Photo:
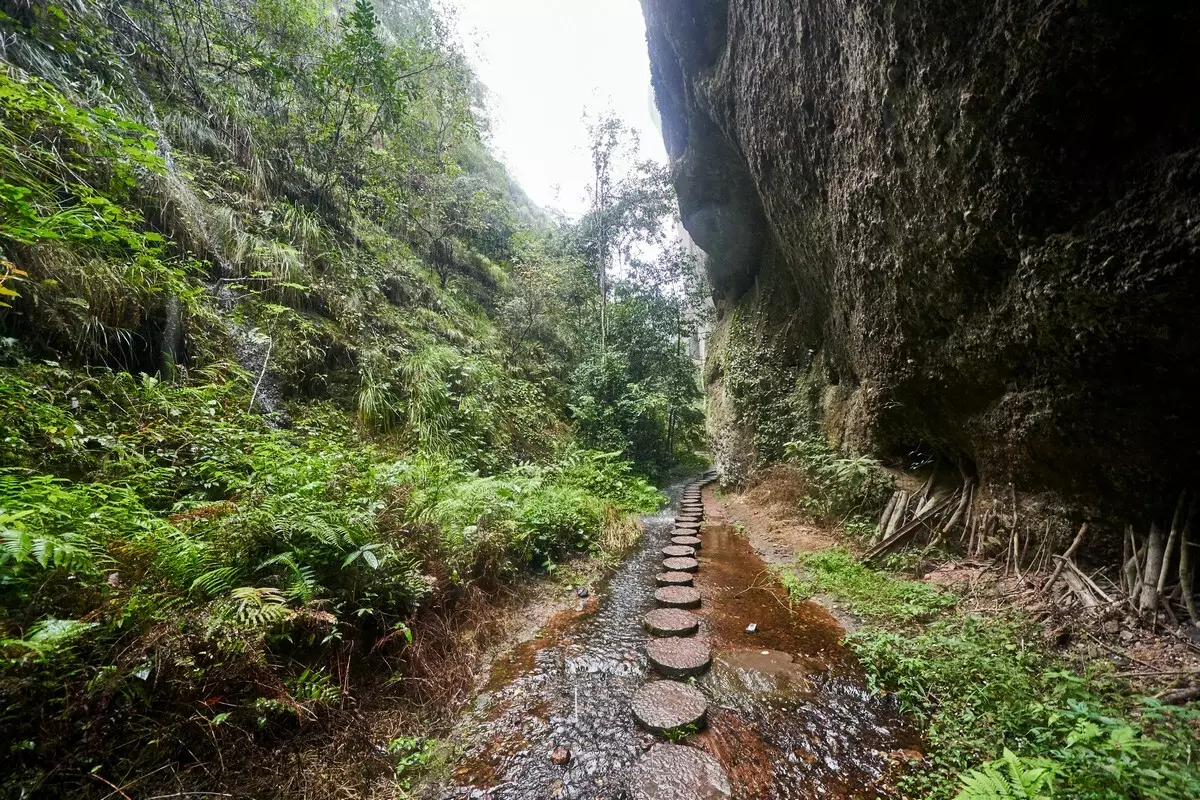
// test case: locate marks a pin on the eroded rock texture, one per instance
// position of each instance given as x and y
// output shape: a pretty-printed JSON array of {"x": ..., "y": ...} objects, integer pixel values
[{"x": 956, "y": 227}]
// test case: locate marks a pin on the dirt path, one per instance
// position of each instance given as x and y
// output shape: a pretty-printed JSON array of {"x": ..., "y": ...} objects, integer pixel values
[{"x": 789, "y": 714}]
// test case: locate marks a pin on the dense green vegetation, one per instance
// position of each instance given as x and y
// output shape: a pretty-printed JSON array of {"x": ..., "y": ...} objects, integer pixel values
[
  {"x": 289, "y": 365},
  {"x": 1004, "y": 719}
]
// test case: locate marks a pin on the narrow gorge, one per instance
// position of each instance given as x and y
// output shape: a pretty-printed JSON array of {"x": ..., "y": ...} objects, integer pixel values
[{"x": 637, "y": 400}]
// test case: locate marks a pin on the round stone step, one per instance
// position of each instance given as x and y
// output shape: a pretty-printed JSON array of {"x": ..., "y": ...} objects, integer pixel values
[
  {"x": 686, "y": 541},
  {"x": 671, "y": 622},
  {"x": 665, "y": 706},
  {"x": 693, "y": 526},
  {"x": 678, "y": 551},
  {"x": 681, "y": 564},
  {"x": 679, "y": 658},
  {"x": 678, "y": 596},
  {"x": 673, "y": 579},
  {"x": 676, "y": 772}
]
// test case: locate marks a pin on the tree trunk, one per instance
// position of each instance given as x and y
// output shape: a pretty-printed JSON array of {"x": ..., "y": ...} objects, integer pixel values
[
  {"x": 1148, "y": 597},
  {"x": 1185, "y": 565}
]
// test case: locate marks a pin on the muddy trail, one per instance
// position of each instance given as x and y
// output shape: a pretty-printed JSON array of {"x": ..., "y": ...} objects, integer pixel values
[{"x": 788, "y": 713}]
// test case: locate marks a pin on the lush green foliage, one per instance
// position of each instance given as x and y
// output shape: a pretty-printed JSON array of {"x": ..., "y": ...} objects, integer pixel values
[
  {"x": 1002, "y": 717},
  {"x": 847, "y": 489},
  {"x": 210, "y": 210}
]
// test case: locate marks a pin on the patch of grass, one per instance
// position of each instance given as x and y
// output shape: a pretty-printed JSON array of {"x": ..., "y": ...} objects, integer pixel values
[
  {"x": 865, "y": 591},
  {"x": 1003, "y": 718}
]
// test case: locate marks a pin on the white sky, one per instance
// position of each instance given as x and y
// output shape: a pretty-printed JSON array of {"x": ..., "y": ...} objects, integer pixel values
[{"x": 546, "y": 62}]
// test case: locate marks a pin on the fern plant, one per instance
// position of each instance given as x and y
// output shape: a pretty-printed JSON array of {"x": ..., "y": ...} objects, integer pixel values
[{"x": 1011, "y": 778}]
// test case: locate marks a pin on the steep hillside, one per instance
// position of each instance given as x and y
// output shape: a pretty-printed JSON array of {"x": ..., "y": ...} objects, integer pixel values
[
  {"x": 962, "y": 231},
  {"x": 294, "y": 383}
]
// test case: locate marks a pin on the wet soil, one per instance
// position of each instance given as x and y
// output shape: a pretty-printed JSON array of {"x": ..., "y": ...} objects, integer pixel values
[{"x": 824, "y": 736}]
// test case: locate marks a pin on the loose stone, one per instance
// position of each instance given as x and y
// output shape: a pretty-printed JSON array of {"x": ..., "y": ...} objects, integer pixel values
[
  {"x": 665, "y": 706},
  {"x": 678, "y": 596},
  {"x": 675, "y": 772},
  {"x": 559, "y": 756},
  {"x": 678, "y": 551},
  {"x": 679, "y": 658},
  {"x": 673, "y": 579},
  {"x": 686, "y": 541},
  {"x": 681, "y": 564},
  {"x": 671, "y": 622}
]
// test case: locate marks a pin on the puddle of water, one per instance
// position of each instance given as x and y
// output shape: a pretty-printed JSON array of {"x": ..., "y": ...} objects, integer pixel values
[{"x": 573, "y": 685}]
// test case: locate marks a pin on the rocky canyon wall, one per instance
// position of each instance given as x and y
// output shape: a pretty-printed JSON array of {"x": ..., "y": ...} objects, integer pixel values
[{"x": 956, "y": 229}]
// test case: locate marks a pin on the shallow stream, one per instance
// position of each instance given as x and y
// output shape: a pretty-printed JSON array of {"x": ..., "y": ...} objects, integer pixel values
[{"x": 818, "y": 734}]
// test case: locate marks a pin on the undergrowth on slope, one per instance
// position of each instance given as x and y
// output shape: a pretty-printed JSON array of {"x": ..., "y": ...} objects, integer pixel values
[
  {"x": 846, "y": 489},
  {"x": 1003, "y": 718}
]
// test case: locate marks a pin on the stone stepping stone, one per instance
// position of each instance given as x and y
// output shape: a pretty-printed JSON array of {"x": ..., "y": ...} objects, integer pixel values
[
  {"x": 678, "y": 551},
  {"x": 686, "y": 529},
  {"x": 671, "y": 622},
  {"x": 673, "y": 579},
  {"x": 679, "y": 658},
  {"x": 676, "y": 772},
  {"x": 665, "y": 706},
  {"x": 686, "y": 541},
  {"x": 678, "y": 596},
  {"x": 681, "y": 564}
]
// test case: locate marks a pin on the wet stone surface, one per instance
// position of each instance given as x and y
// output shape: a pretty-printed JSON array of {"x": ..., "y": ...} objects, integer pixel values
[
  {"x": 678, "y": 597},
  {"x": 678, "y": 551},
  {"x": 662, "y": 706},
  {"x": 674, "y": 772},
  {"x": 695, "y": 526},
  {"x": 573, "y": 689},
  {"x": 671, "y": 622},
  {"x": 760, "y": 672},
  {"x": 679, "y": 658},
  {"x": 674, "y": 579},
  {"x": 680, "y": 564},
  {"x": 686, "y": 541},
  {"x": 798, "y": 723}
]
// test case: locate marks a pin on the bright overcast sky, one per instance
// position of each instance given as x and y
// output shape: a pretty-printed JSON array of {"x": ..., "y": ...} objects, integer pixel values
[{"x": 546, "y": 62}]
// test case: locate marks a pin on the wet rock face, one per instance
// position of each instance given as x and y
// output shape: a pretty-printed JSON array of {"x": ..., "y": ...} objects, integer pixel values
[{"x": 969, "y": 229}]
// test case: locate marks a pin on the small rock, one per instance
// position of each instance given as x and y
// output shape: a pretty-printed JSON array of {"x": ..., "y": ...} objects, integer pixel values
[
  {"x": 752, "y": 627},
  {"x": 560, "y": 756},
  {"x": 582, "y": 591}
]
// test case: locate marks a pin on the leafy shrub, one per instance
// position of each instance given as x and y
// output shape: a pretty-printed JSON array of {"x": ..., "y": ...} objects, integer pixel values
[
  {"x": 843, "y": 488},
  {"x": 984, "y": 690}
]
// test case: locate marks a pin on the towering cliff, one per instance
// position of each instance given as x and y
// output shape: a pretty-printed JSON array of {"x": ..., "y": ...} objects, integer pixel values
[{"x": 961, "y": 229}]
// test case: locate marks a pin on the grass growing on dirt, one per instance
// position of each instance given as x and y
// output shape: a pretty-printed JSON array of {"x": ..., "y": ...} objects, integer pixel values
[
  {"x": 1004, "y": 718},
  {"x": 865, "y": 591}
]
